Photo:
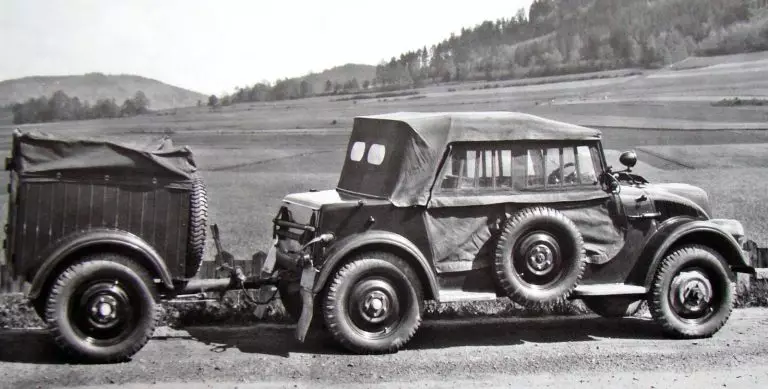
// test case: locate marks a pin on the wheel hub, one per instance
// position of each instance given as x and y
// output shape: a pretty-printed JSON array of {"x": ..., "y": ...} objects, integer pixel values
[
  {"x": 540, "y": 259},
  {"x": 376, "y": 304},
  {"x": 691, "y": 292},
  {"x": 104, "y": 309}
]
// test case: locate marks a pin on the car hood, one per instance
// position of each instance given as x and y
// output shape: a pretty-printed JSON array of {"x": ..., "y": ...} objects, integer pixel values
[
  {"x": 681, "y": 193},
  {"x": 317, "y": 199}
]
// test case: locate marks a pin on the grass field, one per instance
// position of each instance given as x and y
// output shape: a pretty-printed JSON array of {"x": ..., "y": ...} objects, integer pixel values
[{"x": 251, "y": 155}]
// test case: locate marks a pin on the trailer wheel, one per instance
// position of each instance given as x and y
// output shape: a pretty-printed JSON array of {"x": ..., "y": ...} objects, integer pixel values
[
  {"x": 692, "y": 294},
  {"x": 198, "y": 220},
  {"x": 613, "y": 306},
  {"x": 374, "y": 303},
  {"x": 102, "y": 309},
  {"x": 539, "y": 256}
]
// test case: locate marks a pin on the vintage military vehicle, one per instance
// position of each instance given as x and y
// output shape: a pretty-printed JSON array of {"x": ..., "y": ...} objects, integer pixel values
[
  {"x": 429, "y": 206},
  {"x": 472, "y": 206}
]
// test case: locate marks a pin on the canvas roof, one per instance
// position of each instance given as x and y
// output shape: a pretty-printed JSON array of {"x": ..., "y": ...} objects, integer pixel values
[{"x": 416, "y": 142}]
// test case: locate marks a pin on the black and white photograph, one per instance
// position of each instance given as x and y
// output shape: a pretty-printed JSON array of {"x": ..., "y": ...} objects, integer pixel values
[{"x": 395, "y": 194}]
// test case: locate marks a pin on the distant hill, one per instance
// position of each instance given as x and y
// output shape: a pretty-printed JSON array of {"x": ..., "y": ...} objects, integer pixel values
[
  {"x": 93, "y": 86},
  {"x": 340, "y": 74}
]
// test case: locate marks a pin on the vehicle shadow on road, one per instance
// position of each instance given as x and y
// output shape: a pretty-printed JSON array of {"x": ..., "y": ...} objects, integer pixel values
[
  {"x": 516, "y": 331},
  {"x": 279, "y": 339},
  {"x": 29, "y": 346}
]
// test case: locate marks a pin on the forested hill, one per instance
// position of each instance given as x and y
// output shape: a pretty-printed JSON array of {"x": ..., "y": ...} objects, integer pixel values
[
  {"x": 96, "y": 86},
  {"x": 570, "y": 36}
]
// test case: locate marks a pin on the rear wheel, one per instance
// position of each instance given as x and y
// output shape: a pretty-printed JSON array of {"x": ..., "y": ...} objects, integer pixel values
[
  {"x": 613, "y": 306},
  {"x": 102, "y": 309},
  {"x": 374, "y": 303},
  {"x": 692, "y": 294}
]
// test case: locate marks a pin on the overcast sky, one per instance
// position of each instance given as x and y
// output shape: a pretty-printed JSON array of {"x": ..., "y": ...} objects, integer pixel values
[{"x": 212, "y": 46}]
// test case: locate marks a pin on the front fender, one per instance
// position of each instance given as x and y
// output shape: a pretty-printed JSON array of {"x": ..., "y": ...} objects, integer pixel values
[
  {"x": 99, "y": 237},
  {"x": 684, "y": 230},
  {"x": 376, "y": 240}
]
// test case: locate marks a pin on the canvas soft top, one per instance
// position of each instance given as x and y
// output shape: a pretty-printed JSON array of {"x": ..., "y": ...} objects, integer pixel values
[
  {"x": 44, "y": 155},
  {"x": 416, "y": 142}
]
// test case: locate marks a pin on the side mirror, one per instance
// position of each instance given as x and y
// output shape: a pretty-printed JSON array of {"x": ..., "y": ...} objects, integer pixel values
[{"x": 628, "y": 159}]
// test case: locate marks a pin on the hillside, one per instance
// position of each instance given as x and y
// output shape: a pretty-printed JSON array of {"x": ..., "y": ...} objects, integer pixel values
[
  {"x": 93, "y": 86},
  {"x": 576, "y": 36},
  {"x": 341, "y": 75}
]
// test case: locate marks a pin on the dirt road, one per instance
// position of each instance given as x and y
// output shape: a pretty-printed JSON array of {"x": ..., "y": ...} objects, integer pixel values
[{"x": 570, "y": 352}]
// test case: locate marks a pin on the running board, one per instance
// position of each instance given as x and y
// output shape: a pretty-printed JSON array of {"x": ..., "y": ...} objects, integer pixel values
[
  {"x": 607, "y": 290},
  {"x": 447, "y": 296}
]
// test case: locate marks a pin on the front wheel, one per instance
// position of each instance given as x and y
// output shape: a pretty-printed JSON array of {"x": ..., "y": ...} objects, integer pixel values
[
  {"x": 102, "y": 309},
  {"x": 692, "y": 294},
  {"x": 374, "y": 303}
]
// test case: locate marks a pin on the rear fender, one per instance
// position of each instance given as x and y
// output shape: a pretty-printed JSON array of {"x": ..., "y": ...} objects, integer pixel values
[
  {"x": 690, "y": 231},
  {"x": 109, "y": 239},
  {"x": 378, "y": 240}
]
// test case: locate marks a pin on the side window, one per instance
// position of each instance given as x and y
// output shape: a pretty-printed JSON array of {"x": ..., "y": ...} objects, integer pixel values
[
  {"x": 358, "y": 149},
  {"x": 566, "y": 166},
  {"x": 478, "y": 169},
  {"x": 513, "y": 167}
]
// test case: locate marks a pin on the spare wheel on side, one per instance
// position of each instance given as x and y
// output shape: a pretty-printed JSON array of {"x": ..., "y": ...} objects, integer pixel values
[{"x": 539, "y": 256}]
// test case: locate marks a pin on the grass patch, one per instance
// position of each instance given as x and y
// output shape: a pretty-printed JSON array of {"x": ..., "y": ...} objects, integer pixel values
[{"x": 737, "y": 102}]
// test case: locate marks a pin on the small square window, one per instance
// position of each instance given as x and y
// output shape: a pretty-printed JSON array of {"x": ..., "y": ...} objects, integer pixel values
[
  {"x": 376, "y": 154},
  {"x": 358, "y": 149}
]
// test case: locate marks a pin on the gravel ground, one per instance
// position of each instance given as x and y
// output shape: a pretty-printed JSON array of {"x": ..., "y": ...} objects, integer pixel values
[{"x": 546, "y": 352}]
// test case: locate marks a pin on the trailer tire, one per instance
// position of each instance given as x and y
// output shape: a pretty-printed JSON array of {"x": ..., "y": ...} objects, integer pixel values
[
  {"x": 198, "y": 223},
  {"x": 102, "y": 309}
]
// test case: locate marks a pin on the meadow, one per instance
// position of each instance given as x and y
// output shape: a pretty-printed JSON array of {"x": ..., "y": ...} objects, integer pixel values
[{"x": 252, "y": 154}]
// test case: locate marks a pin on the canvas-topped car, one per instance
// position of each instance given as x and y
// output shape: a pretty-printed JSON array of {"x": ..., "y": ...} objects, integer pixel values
[{"x": 484, "y": 205}]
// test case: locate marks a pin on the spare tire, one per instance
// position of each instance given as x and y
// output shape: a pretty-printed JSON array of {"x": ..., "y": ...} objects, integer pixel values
[
  {"x": 198, "y": 222},
  {"x": 540, "y": 256}
]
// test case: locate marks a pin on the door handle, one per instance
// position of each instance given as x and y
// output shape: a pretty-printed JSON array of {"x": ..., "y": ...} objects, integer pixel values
[
  {"x": 641, "y": 198},
  {"x": 647, "y": 215}
]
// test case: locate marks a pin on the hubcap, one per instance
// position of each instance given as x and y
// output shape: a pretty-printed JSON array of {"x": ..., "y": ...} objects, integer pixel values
[
  {"x": 102, "y": 313},
  {"x": 537, "y": 259},
  {"x": 691, "y": 294},
  {"x": 540, "y": 259},
  {"x": 374, "y": 307}
]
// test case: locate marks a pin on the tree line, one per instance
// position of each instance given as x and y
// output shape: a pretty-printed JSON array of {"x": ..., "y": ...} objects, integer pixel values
[
  {"x": 59, "y": 107},
  {"x": 555, "y": 37},
  {"x": 562, "y": 36}
]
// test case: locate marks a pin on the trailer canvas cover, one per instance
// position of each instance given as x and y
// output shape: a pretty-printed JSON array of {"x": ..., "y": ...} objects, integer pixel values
[{"x": 39, "y": 155}]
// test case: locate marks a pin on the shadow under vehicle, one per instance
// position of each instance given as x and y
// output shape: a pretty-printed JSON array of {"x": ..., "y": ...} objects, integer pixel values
[{"x": 429, "y": 206}]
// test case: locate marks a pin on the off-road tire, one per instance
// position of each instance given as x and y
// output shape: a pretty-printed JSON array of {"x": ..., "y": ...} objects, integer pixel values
[
  {"x": 67, "y": 321},
  {"x": 711, "y": 263},
  {"x": 198, "y": 224},
  {"x": 539, "y": 228},
  {"x": 613, "y": 306},
  {"x": 342, "y": 321}
]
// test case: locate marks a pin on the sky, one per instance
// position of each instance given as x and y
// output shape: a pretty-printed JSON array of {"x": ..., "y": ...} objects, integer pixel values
[{"x": 213, "y": 46}]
